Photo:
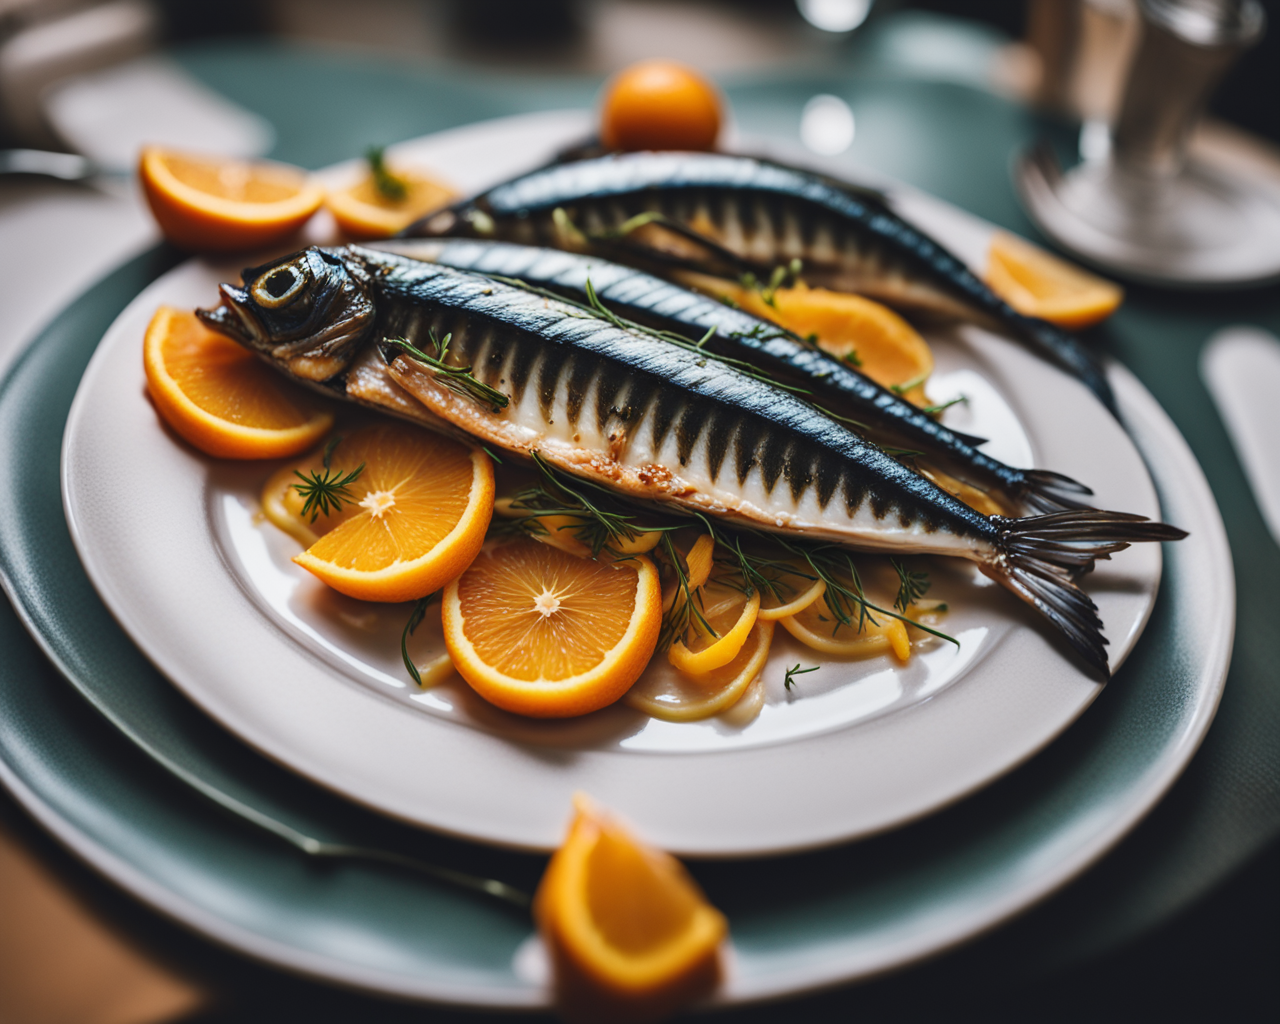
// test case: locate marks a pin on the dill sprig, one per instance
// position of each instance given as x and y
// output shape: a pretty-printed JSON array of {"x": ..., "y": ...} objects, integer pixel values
[
  {"x": 782, "y": 277},
  {"x": 911, "y": 585},
  {"x": 601, "y": 527},
  {"x": 907, "y": 385},
  {"x": 388, "y": 185},
  {"x": 933, "y": 410},
  {"x": 686, "y": 606},
  {"x": 796, "y": 670},
  {"x": 461, "y": 380},
  {"x": 415, "y": 620},
  {"x": 327, "y": 490}
]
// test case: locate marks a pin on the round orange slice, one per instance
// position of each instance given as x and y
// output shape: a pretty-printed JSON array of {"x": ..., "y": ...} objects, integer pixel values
[
  {"x": 631, "y": 935},
  {"x": 817, "y": 627},
  {"x": 1038, "y": 284},
  {"x": 365, "y": 210},
  {"x": 410, "y": 521},
  {"x": 217, "y": 204},
  {"x": 221, "y": 397},
  {"x": 541, "y": 632}
]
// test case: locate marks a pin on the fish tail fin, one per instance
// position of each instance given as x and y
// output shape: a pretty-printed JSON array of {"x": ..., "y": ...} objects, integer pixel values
[
  {"x": 1039, "y": 558},
  {"x": 1044, "y": 491}
]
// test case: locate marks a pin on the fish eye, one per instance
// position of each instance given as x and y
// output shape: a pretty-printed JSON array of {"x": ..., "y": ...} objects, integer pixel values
[{"x": 279, "y": 287}]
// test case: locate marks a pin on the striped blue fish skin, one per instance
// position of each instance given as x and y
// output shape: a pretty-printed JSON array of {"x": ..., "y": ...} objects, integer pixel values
[
  {"x": 786, "y": 212},
  {"x": 648, "y": 419},
  {"x": 885, "y": 417}
]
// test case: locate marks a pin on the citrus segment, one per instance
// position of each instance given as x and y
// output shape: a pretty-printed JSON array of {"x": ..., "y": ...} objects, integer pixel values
[
  {"x": 817, "y": 627},
  {"x": 658, "y": 104},
  {"x": 667, "y": 693},
  {"x": 1039, "y": 284},
  {"x": 414, "y": 517},
  {"x": 794, "y": 594},
  {"x": 630, "y": 934},
  {"x": 868, "y": 336},
  {"x": 540, "y": 632},
  {"x": 366, "y": 211},
  {"x": 221, "y": 397},
  {"x": 217, "y": 204}
]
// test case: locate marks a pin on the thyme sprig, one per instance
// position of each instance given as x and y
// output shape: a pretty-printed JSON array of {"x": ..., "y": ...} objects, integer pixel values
[
  {"x": 389, "y": 185},
  {"x": 911, "y": 585},
  {"x": 796, "y": 670},
  {"x": 415, "y": 620},
  {"x": 461, "y": 380},
  {"x": 326, "y": 491}
]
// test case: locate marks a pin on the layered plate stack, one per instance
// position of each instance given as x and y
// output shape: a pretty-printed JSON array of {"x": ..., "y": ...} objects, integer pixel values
[{"x": 880, "y": 794}]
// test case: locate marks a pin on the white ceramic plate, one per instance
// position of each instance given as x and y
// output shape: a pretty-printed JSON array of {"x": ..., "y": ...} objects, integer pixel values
[{"x": 175, "y": 545}]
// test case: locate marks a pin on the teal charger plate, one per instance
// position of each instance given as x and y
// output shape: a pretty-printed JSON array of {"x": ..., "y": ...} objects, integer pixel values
[{"x": 798, "y": 922}]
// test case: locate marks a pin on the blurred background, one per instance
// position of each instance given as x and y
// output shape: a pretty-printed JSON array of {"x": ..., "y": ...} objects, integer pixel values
[{"x": 1066, "y": 55}]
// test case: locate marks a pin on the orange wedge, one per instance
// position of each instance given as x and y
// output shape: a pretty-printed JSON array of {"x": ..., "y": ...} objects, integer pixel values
[
  {"x": 410, "y": 522},
  {"x": 1038, "y": 284},
  {"x": 221, "y": 397},
  {"x": 870, "y": 337},
  {"x": 366, "y": 211},
  {"x": 631, "y": 935},
  {"x": 541, "y": 632},
  {"x": 818, "y": 628},
  {"x": 216, "y": 204}
]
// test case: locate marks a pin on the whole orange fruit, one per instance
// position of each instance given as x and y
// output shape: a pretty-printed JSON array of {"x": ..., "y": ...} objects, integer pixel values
[{"x": 658, "y": 104}]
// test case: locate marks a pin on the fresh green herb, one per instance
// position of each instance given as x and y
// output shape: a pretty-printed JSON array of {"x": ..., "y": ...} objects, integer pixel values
[
  {"x": 914, "y": 382},
  {"x": 326, "y": 490},
  {"x": 851, "y": 357},
  {"x": 461, "y": 380},
  {"x": 415, "y": 620},
  {"x": 911, "y": 585},
  {"x": 796, "y": 670},
  {"x": 687, "y": 604},
  {"x": 389, "y": 186},
  {"x": 933, "y": 410}
]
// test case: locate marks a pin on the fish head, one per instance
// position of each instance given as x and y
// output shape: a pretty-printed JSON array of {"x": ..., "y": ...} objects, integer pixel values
[{"x": 308, "y": 313}]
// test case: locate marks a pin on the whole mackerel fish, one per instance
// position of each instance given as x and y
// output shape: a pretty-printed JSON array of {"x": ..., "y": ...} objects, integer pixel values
[
  {"x": 886, "y": 418},
  {"x": 650, "y": 420},
  {"x": 728, "y": 215}
]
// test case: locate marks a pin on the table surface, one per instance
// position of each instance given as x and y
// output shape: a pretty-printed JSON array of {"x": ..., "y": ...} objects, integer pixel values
[{"x": 951, "y": 139}]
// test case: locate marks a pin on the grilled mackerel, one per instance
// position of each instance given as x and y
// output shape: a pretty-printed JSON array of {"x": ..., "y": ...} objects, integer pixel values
[
  {"x": 886, "y": 418},
  {"x": 731, "y": 215},
  {"x": 649, "y": 420}
]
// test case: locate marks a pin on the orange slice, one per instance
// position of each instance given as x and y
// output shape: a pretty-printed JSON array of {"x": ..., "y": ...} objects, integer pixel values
[
  {"x": 216, "y": 204},
  {"x": 666, "y": 693},
  {"x": 540, "y": 632},
  {"x": 631, "y": 935},
  {"x": 1038, "y": 284},
  {"x": 731, "y": 614},
  {"x": 659, "y": 104},
  {"x": 415, "y": 517},
  {"x": 818, "y": 628},
  {"x": 366, "y": 211},
  {"x": 794, "y": 594},
  {"x": 221, "y": 397},
  {"x": 871, "y": 337}
]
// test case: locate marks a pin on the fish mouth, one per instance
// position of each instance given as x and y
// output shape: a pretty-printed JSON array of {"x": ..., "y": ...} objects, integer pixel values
[{"x": 233, "y": 317}]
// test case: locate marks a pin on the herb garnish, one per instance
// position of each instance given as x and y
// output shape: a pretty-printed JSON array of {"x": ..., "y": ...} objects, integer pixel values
[
  {"x": 326, "y": 492},
  {"x": 389, "y": 186},
  {"x": 461, "y": 380},
  {"x": 796, "y": 670},
  {"x": 933, "y": 410},
  {"x": 911, "y": 585},
  {"x": 415, "y": 620}
]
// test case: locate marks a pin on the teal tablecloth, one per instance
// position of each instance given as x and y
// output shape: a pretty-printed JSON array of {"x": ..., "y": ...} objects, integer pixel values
[{"x": 957, "y": 142}]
